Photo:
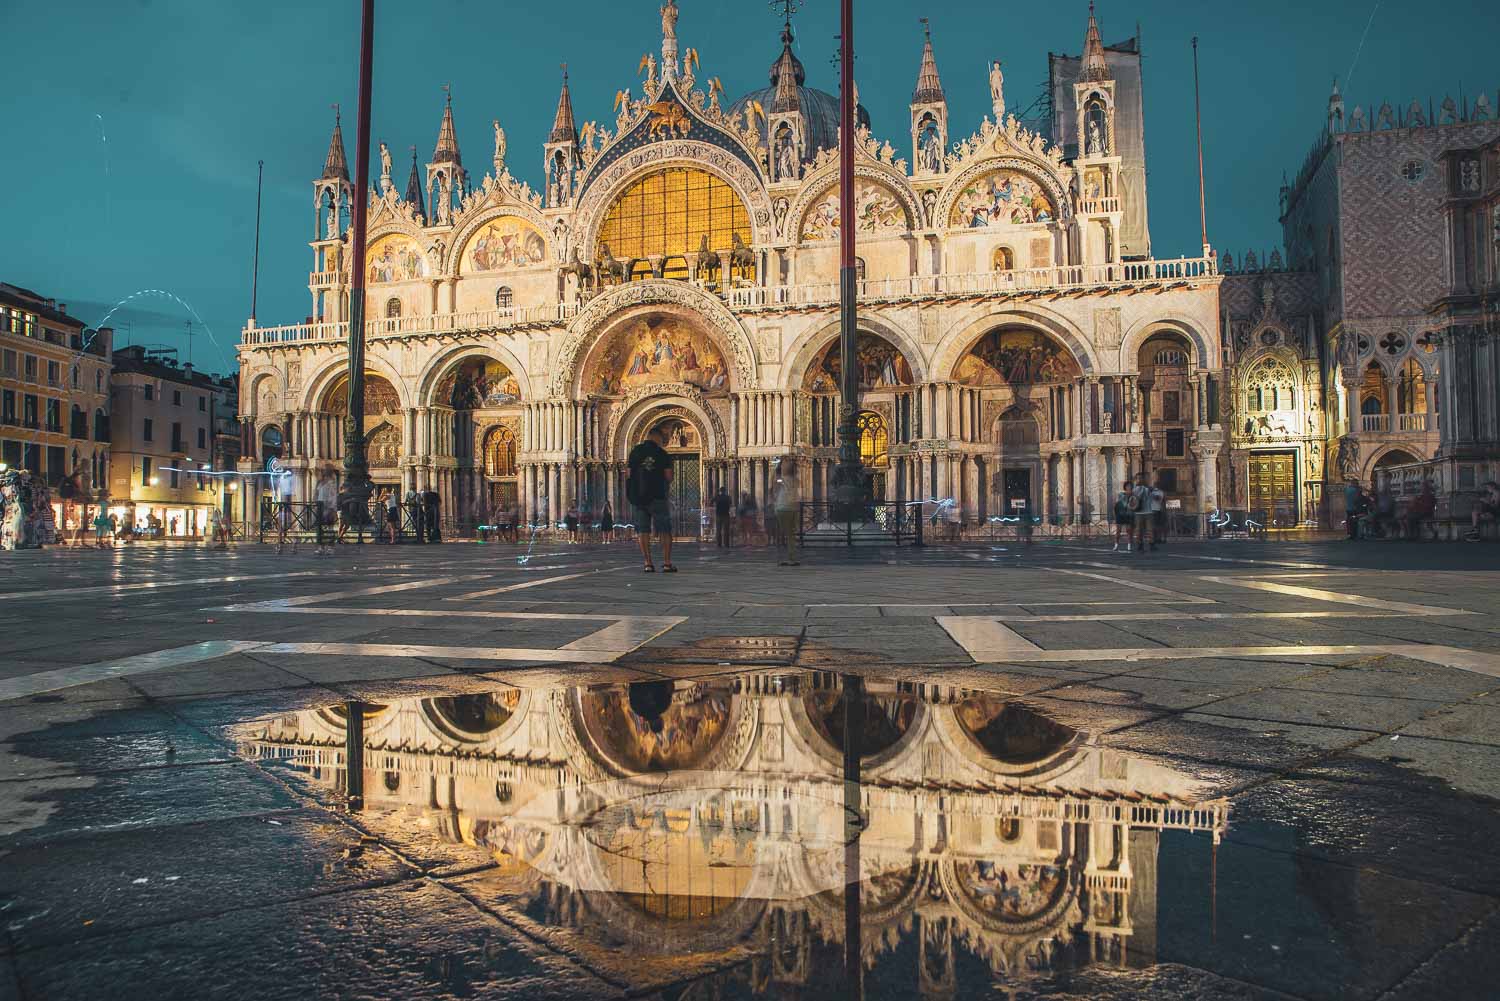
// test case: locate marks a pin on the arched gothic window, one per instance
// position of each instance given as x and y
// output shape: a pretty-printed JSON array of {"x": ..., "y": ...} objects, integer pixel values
[
  {"x": 1270, "y": 385},
  {"x": 504, "y": 297},
  {"x": 670, "y": 213},
  {"x": 859, "y": 268},
  {"x": 392, "y": 308},
  {"x": 1004, "y": 259},
  {"x": 500, "y": 452},
  {"x": 874, "y": 440}
]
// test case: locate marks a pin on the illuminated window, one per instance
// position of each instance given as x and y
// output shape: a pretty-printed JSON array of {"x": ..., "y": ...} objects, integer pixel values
[
  {"x": 669, "y": 213},
  {"x": 874, "y": 440},
  {"x": 500, "y": 453}
]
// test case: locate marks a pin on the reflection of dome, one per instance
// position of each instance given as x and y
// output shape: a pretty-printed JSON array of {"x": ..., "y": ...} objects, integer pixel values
[
  {"x": 1011, "y": 733},
  {"x": 673, "y": 734},
  {"x": 473, "y": 716},
  {"x": 887, "y": 719},
  {"x": 819, "y": 108}
]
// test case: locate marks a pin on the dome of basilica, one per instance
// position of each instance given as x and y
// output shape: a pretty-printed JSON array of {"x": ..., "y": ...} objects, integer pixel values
[{"x": 819, "y": 108}]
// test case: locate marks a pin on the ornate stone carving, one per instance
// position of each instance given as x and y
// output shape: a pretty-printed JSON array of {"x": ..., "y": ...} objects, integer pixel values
[
  {"x": 1107, "y": 327},
  {"x": 667, "y": 392},
  {"x": 536, "y": 362},
  {"x": 768, "y": 342},
  {"x": 714, "y": 314}
]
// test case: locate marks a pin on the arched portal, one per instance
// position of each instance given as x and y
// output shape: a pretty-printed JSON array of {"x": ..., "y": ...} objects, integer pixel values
[
  {"x": 480, "y": 397},
  {"x": 685, "y": 443},
  {"x": 383, "y": 438},
  {"x": 1169, "y": 408},
  {"x": 1025, "y": 378},
  {"x": 886, "y": 393}
]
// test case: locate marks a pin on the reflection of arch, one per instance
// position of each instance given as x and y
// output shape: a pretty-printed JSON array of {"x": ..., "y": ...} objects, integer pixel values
[
  {"x": 893, "y": 722},
  {"x": 606, "y": 312},
  {"x": 956, "y": 878},
  {"x": 958, "y": 341},
  {"x": 473, "y": 718},
  {"x": 440, "y": 365},
  {"x": 1006, "y": 737},
  {"x": 706, "y": 728}
]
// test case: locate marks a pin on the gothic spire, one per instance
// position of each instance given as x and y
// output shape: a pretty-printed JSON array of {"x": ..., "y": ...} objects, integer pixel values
[
  {"x": 446, "y": 150},
  {"x": 336, "y": 165},
  {"x": 787, "y": 75},
  {"x": 1095, "y": 66},
  {"x": 414, "y": 186},
  {"x": 563, "y": 129},
  {"x": 929, "y": 88}
]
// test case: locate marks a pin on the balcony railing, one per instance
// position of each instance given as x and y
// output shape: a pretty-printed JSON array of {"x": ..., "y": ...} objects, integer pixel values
[
  {"x": 1021, "y": 281},
  {"x": 484, "y": 319},
  {"x": 1400, "y": 422},
  {"x": 1098, "y": 206}
]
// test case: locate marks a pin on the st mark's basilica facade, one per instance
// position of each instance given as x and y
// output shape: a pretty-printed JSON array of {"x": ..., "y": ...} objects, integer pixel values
[{"x": 1018, "y": 344}]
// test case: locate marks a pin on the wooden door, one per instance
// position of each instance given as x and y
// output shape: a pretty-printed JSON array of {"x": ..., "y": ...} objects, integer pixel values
[{"x": 1273, "y": 486}]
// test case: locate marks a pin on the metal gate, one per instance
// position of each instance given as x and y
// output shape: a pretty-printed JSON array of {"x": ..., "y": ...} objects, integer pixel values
[{"x": 686, "y": 494}]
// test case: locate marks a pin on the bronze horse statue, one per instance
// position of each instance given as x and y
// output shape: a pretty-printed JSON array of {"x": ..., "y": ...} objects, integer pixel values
[
  {"x": 708, "y": 260},
  {"x": 579, "y": 269},
  {"x": 609, "y": 266},
  {"x": 741, "y": 256}
]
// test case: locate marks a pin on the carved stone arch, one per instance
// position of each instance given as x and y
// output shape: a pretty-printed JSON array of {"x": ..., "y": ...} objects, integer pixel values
[
  {"x": 1040, "y": 171},
  {"x": 453, "y": 253},
  {"x": 691, "y": 154},
  {"x": 964, "y": 334},
  {"x": 259, "y": 385},
  {"x": 602, "y": 316},
  {"x": 439, "y": 364},
  {"x": 1204, "y": 351},
  {"x": 811, "y": 344},
  {"x": 326, "y": 374},
  {"x": 646, "y": 402},
  {"x": 820, "y": 181}
]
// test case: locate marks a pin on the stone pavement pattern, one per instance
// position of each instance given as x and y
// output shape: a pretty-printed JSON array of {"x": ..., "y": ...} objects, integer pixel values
[{"x": 1293, "y": 745}]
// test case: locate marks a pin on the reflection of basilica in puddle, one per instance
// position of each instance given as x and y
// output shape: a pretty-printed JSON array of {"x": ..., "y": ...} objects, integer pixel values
[{"x": 683, "y": 820}]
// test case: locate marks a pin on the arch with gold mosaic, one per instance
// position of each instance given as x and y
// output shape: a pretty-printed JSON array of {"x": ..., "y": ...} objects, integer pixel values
[
  {"x": 966, "y": 189},
  {"x": 871, "y": 178}
]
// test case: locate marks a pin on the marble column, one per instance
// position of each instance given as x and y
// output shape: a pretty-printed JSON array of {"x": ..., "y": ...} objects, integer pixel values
[
  {"x": 1069, "y": 497},
  {"x": 1208, "y": 477}
]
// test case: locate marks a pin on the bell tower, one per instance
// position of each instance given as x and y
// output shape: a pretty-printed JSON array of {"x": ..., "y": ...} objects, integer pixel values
[
  {"x": 929, "y": 114},
  {"x": 1098, "y": 163},
  {"x": 561, "y": 150},
  {"x": 447, "y": 182},
  {"x": 333, "y": 198}
]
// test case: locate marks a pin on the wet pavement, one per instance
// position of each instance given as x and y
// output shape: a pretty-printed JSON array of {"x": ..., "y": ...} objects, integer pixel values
[{"x": 1239, "y": 772}]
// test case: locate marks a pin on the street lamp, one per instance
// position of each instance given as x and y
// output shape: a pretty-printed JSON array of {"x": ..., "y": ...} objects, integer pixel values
[{"x": 356, "y": 463}]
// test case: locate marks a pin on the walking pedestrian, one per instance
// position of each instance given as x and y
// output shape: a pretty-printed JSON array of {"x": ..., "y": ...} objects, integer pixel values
[
  {"x": 747, "y": 517},
  {"x": 326, "y": 497},
  {"x": 104, "y": 523},
  {"x": 432, "y": 514},
  {"x": 216, "y": 532},
  {"x": 1124, "y": 522},
  {"x": 646, "y": 489},
  {"x": 787, "y": 500},
  {"x": 281, "y": 489},
  {"x": 723, "y": 518}
]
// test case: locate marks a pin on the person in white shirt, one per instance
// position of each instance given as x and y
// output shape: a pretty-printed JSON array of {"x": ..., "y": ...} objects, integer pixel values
[
  {"x": 282, "y": 489},
  {"x": 786, "y": 501},
  {"x": 326, "y": 494}
]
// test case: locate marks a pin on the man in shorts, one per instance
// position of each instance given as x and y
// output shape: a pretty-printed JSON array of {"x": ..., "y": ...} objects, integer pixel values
[{"x": 646, "y": 489}]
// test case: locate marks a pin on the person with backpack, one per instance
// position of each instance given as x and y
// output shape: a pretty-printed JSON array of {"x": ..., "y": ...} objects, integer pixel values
[
  {"x": 646, "y": 489},
  {"x": 1123, "y": 518}
]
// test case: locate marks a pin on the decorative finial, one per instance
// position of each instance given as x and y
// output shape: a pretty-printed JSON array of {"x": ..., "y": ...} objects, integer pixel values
[
  {"x": 336, "y": 115},
  {"x": 926, "y": 28},
  {"x": 788, "y": 8},
  {"x": 565, "y": 72},
  {"x": 448, "y": 94}
]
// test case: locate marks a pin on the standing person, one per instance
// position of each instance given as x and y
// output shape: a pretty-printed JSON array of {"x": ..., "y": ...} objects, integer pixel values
[
  {"x": 1122, "y": 514},
  {"x": 104, "y": 523},
  {"x": 414, "y": 511},
  {"x": 607, "y": 523},
  {"x": 786, "y": 498},
  {"x": 723, "y": 517},
  {"x": 392, "y": 515},
  {"x": 432, "y": 514},
  {"x": 326, "y": 496},
  {"x": 646, "y": 489},
  {"x": 1158, "y": 513},
  {"x": 1140, "y": 509},
  {"x": 1351, "y": 509},
  {"x": 571, "y": 521},
  {"x": 747, "y": 517},
  {"x": 215, "y": 537}
]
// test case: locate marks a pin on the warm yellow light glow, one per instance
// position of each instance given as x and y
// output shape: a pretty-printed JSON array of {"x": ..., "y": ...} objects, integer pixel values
[
  {"x": 669, "y": 213},
  {"x": 154, "y": 481}
]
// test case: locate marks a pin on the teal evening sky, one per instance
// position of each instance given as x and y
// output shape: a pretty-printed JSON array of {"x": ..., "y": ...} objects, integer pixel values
[{"x": 135, "y": 126}]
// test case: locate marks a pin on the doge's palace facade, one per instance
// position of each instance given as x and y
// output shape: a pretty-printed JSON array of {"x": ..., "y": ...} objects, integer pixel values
[{"x": 680, "y": 265}]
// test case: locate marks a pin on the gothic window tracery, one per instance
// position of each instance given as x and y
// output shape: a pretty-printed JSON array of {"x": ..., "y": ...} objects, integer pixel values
[
  {"x": 874, "y": 440},
  {"x": 1270, "y": 386},
  {"x": 500, "y": 452}
]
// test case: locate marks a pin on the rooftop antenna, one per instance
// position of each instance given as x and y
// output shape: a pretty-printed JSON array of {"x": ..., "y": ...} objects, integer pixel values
[
  {"x": 190, "y": 342},
  {"x": 1198, "y": 114},
  {"x": 260, "y": 171}
]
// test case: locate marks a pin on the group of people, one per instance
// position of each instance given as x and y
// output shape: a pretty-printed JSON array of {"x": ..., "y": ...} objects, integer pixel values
[
  {"x": 1140, "y": 515},
  {"x": 336, "y": 510},
  {"x": 1377, "y": 513}
]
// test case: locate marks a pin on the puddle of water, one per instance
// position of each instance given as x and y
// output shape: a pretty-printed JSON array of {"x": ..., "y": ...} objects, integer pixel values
[{"x": 848, "y": 835}]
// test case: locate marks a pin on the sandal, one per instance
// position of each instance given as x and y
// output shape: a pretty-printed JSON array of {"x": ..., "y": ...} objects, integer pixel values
[
  {"x": 649, "y": 568},
  {"x": 668, "y": 568}
]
